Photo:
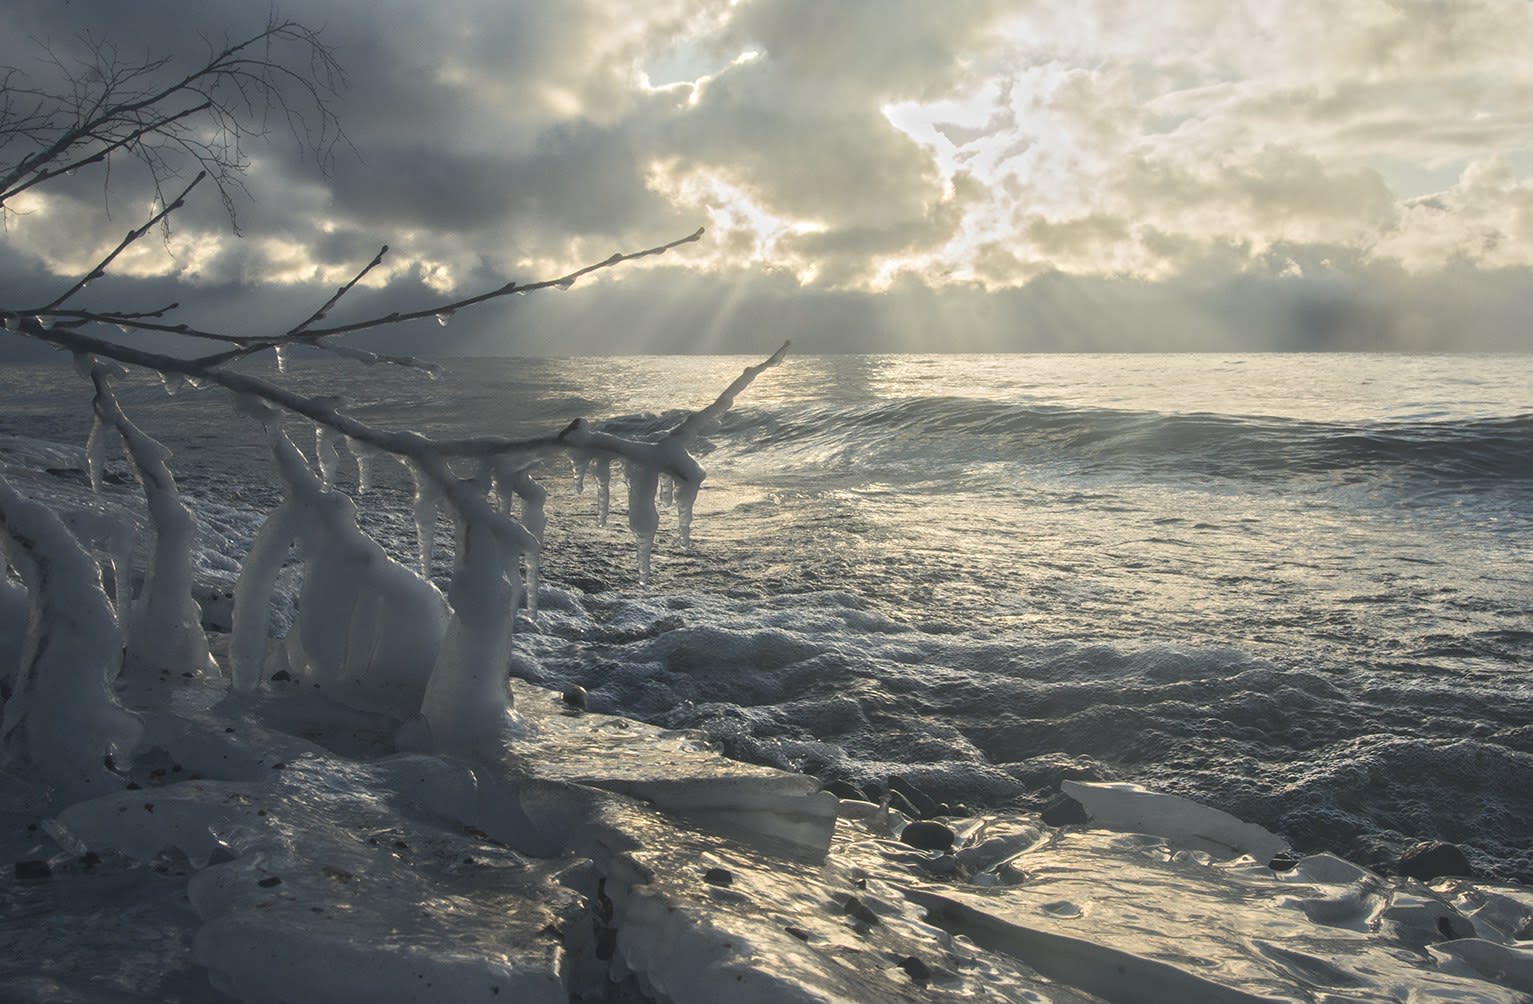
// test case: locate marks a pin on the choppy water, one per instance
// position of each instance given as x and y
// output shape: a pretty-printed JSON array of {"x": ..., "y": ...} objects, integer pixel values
[{"x": 1299, "y": 588}]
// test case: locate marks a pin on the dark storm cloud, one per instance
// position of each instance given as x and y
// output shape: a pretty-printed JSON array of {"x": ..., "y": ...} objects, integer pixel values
[{"x": 1056, "y": 180}]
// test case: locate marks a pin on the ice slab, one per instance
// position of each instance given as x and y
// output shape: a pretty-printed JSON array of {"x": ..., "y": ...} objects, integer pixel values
[
  {"x": 1134, "y": 809},
  {"x": 673, "y": 771},
  {"x": 1130, "y": 917},
  {"x": 339, "y": 880}
]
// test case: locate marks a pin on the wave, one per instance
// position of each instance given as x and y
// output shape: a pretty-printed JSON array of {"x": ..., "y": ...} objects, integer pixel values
[{"x": 944, "y": 433}]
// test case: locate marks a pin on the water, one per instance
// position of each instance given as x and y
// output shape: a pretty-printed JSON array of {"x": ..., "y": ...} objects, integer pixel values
[{"x": 1294, "y": 587}]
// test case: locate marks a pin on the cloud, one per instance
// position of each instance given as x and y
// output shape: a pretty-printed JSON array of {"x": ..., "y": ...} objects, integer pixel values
[{"x": 1049, "y": 174}]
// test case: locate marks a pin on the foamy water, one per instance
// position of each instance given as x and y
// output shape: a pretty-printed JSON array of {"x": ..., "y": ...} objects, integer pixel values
[{"x": 1294, "y": 587}]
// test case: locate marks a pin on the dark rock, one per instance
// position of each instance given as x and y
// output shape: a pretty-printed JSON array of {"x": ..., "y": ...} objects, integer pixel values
[
  {"x": 1063, "y": 810},
  {"x": 925, "y": 805},
  {"x": 575, "y": 696},
  {"x": 917, "y": 970},
  {"x": 90, "y": 859},
  {"x": 899, "y": 803},
  {"x": 945, "y": 866},
  {"x": 281, "y": 676},
  {"x": 842, "y": 789},
  {"x": 718, "y": 876},
  {"x": 798, "y": 932},
  {"x": 34, "y": 869},
  {"x": 1431, "y": 859},
  {"x": 269, "y": 882},
  {"x": 858, "y": 909},
  {"x": 1284, "y": 861},
  {"x": 928, "y": 835}
]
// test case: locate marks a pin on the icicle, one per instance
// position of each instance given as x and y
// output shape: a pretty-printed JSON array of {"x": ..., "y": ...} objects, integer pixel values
[
  {"x": 665, "y": 489},
  {"x": 535, "y": 519},
  {"x": 603, "y": 489},
  {"x": 364, "y": 455},
  {"x": 443, "y": 317},
  {"x": 95, "y": 452},
  {"x": 252, "y": 597},
  {"x": 565, "y": 283},
  {"x": 686, "y": 494},
  {"x": 643, "y": 520},
  {"x": 427, "y": 500},
  {"x": 173, "y": 383},
  {"x": 281, "y": 353},
  {"x": 327, "y": 450},
  {"x": 580, "y": 464}
]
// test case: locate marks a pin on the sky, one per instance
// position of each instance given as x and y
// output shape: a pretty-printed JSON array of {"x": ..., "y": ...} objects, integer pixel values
[{"x": 873, "y": 175}]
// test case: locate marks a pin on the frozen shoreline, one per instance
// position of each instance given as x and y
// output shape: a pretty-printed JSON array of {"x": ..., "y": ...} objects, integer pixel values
[{"x": 312, "y": 874}]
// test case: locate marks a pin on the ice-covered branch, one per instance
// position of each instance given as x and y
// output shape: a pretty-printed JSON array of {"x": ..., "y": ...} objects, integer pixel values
[
  {"x": 646, "y": 463},
  {"x": 163, "y": 625},
  {"x": 61, "y": 714}
]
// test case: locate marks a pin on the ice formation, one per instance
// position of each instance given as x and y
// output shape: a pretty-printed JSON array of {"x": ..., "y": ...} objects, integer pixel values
[
  {"x": 645, "y": 464},
  {"x": 60, "y": 715},
  {"x": 368, "y": 628},
  {"x": 163, "y": 627}
]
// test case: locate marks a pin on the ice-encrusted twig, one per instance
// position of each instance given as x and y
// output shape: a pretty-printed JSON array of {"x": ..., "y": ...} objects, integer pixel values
[
  {"x": 61, "y": 714},
  {"x": 645, "y": 463}
]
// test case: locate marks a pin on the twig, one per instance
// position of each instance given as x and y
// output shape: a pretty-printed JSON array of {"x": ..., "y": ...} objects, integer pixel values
[{"x": 100, "y": 268}]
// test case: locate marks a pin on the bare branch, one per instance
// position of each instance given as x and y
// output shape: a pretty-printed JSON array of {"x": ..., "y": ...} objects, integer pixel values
[
  {"x": 100, "y": 267},
  {"x": 325, "y": 307},
  {"x": 107, "y": 107},
  {"x": 251, "y": 344}
]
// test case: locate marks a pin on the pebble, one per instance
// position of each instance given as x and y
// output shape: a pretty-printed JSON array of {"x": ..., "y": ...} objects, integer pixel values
[
  {"x": 928, "y": 835},
  {"x": 1430, "y": 859},
  {"x": 842, "y": 789},
  {"x": 718, "y": 876},
  {"x": 1284, "y": 861},
  {"x": 1063, "y": 810},
  {"x": 575, "y": 696},
  {"x": 917, "y": 970},
  {"x": 858, "y": 909}
]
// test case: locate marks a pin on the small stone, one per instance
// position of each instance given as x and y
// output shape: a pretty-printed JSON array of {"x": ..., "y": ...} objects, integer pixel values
[
  {"x": 842, "y": 789},
  {"x": 575, "y": 696},
  {"x": 917, "y": 970},
  {"x": 1063, "y": 810},
  {"x": 798, "y": 932},
  {"x": 34, "y": 869},
  {"x": 718, "y": 876},
  {"x": 1284, "y": 861},
  {"x": 899, "y": 803},
  {"x": 281, "y": 676},
  {"x": 858, "y": 909},
  {"x": 1430, "y": 859},
  {"x": 946, "y": 866},
  {"x": 269, "y": 882},
  {"x": 927, "y": 835},
  {"x": 924, "y": 804}
]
